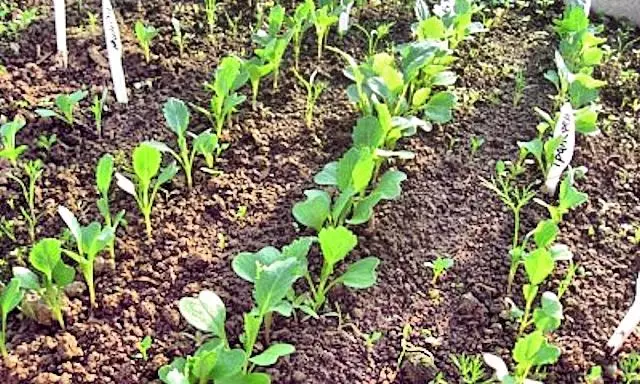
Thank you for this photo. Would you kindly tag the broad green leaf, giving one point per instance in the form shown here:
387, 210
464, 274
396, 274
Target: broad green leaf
274, 282
368, 133
328, 175
569, 195
548, 316
527, 347
336, 243
420, 97
545, 233
529, 292
146, 162
173, 373
28, 279
45, 255
229, 363
445, 78
547, 354
104, 174
538, 264
363, 209
438, 108
363, 171
246, 264
534, 147
586, 121
167, 173
63, 274
11, 296
205, 312
299, 248
313, 212
271, 355
389, 187
176, 115
342, 205
45, 113
431, 29
361, 274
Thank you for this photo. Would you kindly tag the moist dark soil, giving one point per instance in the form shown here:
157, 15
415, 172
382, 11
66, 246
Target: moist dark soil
272, 158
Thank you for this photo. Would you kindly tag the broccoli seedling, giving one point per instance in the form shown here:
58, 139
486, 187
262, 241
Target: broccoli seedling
65, 105
439, 266
145, 34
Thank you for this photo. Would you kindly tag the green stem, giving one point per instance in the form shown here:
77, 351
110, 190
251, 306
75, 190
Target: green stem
516, 238
320, 42
87, 271
3, 335
525, 318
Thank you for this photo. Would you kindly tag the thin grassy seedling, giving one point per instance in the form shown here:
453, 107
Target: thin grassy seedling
211, 9
97, 109
520, 85
179, 37
314, 90
470, 368
104, 177
33, 170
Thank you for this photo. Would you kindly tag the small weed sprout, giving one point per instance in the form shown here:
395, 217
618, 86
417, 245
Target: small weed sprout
470, 368
594, 376
475, 143
179, 37
33, 170
92, 21
145, 34
47, 142
211, 9
439, 266
143, 347
97, 109
104, 177
374, 36
314, 90
520, 85
146, 165
630, 366
65, 105
7, 228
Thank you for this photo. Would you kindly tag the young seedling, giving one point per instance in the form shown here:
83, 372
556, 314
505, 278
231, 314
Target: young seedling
145, 34
475, 144
211, 9
33, 170
179, 37
97, 109
47, 142
256, 69
470, 368
322, 18
299, 23
515, 198
229, 77
630, 366
46, 258
146, 165
520, 85
10, 298
104, 176
7, 229
65, 105
271, 43
143, 347
314, 90
439, 266
594, 376
90, 241
8, 132
177, 117
374, 36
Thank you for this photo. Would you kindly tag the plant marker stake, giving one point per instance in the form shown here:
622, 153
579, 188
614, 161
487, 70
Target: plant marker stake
628, 323
60, 13
566, 127
114, 50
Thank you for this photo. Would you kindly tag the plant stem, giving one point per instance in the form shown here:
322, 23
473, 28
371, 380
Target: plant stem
525, 318
3, 336
87, 271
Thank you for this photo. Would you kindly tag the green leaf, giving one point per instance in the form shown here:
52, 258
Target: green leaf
336, 243
246, 264
63, 274
251, 378
431, 29
46, 113
547, 354
104, 174
538, 264
549, 315
363, 210
570, 196
271, 355
534, 147
586, 121
545, 233
28, 279
439, 107
146, 162
368, 133
176, 115
445, 78
167, 173
328, 175
11, 296
206, 313
229, 363
313, 212
390, 185
274, 282
45, 255
361, 274
527, 347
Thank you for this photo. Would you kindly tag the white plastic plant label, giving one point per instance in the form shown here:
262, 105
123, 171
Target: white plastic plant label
60, 15
500, 368
566, 128
628, 323
114, 51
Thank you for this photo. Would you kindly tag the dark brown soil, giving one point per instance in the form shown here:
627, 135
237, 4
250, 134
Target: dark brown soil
273, 155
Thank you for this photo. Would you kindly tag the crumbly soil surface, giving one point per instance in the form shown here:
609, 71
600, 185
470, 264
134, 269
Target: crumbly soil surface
272, 158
